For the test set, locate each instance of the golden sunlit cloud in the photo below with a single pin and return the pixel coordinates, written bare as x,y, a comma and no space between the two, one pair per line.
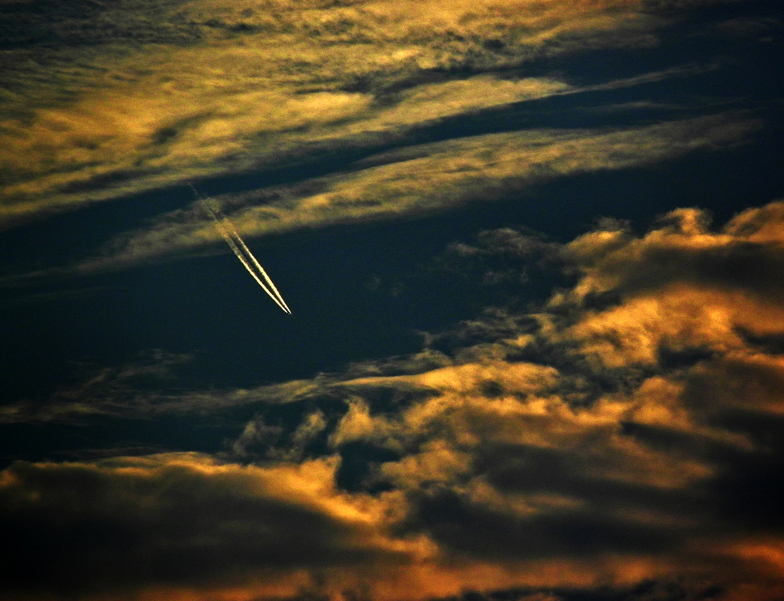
426,178
230,87
489,470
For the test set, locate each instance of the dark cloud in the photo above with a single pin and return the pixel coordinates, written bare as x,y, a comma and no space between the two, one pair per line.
761,28
125,524
745,255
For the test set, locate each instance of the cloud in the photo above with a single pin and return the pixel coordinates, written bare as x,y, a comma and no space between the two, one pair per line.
762,28
628,431
425,178
619,439
151,385
652,438
184,525
217,88
132,389
682,286
147,522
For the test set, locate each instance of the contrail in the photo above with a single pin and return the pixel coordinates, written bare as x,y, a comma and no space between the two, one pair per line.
236,243
275,294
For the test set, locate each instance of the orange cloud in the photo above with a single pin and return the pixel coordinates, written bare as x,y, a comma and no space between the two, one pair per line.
680,286
628,431
223,87
424,178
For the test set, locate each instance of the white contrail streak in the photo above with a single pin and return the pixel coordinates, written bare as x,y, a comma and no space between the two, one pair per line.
236,243
277,296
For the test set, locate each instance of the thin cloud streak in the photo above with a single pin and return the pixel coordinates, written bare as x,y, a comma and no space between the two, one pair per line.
417,180
431,177
242,83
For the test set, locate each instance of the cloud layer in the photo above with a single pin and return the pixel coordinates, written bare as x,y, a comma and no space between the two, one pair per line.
156,94
627,431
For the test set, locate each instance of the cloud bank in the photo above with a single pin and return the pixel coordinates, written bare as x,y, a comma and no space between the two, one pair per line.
628,431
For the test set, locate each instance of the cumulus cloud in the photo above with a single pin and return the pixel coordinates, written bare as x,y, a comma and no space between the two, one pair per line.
151,522
627,431
682,286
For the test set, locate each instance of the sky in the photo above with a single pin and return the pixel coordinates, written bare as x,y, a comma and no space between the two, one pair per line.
533,252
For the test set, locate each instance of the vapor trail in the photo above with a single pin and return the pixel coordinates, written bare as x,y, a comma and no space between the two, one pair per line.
277,296
238,246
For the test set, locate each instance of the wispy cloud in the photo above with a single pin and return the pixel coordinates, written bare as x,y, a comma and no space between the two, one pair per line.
226,87
427,178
